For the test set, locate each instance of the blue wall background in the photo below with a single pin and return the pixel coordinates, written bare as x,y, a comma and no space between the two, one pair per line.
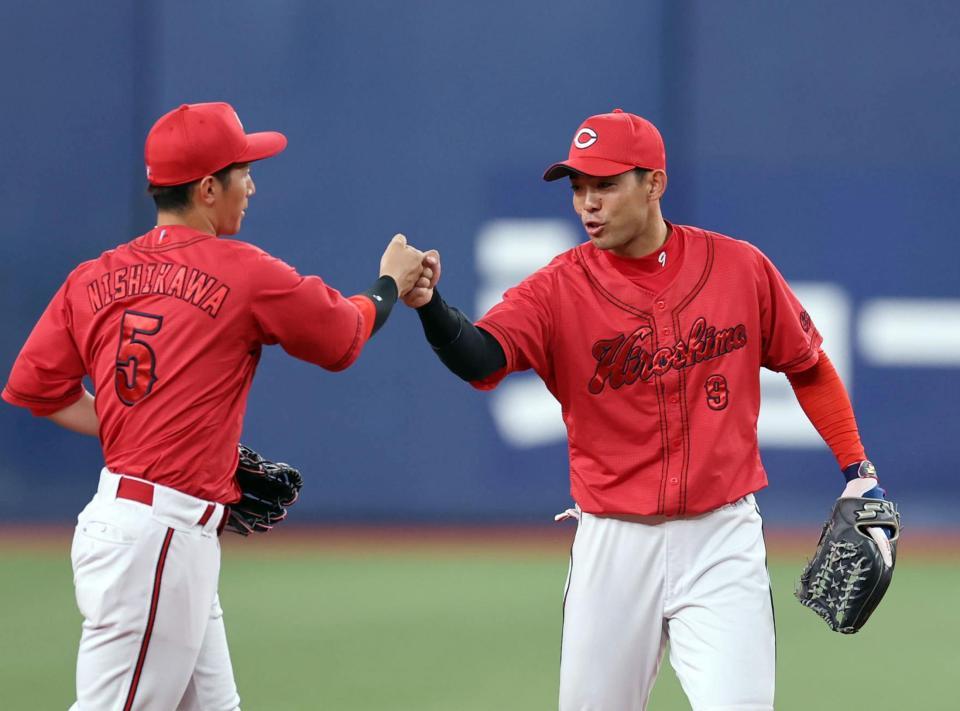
823,132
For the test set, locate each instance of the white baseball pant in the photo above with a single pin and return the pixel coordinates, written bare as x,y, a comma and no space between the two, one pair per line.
701,584
146,579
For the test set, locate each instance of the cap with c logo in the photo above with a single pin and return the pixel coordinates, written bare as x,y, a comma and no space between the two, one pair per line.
610,144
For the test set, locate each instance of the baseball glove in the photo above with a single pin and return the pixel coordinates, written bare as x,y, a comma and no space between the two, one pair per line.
848,576
268,489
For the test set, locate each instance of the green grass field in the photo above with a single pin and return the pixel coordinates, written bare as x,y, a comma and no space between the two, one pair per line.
410,626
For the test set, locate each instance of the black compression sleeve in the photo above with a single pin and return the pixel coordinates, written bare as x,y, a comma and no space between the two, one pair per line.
469,352
384,295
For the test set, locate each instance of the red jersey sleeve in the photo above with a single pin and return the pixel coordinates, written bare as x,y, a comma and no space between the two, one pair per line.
522,323
368,312
791,342
310,320
47,375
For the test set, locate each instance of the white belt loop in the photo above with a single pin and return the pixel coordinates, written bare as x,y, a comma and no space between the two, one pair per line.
213,523
108,484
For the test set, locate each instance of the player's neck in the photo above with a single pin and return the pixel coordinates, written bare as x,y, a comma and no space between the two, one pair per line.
193,219
646,242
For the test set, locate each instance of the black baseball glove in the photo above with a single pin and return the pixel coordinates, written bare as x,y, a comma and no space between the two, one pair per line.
851,569
268,488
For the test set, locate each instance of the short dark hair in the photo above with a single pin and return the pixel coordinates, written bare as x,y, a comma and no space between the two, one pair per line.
641,172
176,198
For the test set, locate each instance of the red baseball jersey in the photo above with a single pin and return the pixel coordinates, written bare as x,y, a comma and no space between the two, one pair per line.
656,364
169,327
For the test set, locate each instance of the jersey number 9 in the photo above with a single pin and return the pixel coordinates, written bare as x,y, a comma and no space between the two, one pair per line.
717,394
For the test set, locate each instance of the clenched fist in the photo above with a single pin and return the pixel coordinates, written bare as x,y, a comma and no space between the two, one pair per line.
403,263
422,291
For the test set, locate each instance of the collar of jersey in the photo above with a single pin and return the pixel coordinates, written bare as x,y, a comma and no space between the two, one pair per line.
167,236
649,264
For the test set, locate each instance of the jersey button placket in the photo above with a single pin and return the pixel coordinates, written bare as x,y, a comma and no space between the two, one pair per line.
674,461
671,403
676,445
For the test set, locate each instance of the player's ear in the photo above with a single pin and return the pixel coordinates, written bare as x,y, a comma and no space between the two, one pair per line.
657,184
206,191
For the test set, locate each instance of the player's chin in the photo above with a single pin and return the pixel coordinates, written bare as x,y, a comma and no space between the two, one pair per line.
233,228
599,239
600,242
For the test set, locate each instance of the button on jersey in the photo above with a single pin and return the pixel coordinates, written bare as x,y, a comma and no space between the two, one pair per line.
169,327
660,390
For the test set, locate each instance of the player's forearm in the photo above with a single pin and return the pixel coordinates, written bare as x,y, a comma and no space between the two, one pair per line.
824,399
469,352
376,303
383,294
80,417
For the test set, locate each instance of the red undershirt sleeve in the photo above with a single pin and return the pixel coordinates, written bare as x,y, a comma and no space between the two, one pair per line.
824,399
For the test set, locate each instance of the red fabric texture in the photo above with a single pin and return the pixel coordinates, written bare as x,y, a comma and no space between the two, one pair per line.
654,271
657,380
824,399
368,312
170,327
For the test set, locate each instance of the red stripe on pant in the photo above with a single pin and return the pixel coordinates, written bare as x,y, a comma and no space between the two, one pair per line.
154,600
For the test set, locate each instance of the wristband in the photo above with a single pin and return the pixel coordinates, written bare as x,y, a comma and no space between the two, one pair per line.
383,293
860,470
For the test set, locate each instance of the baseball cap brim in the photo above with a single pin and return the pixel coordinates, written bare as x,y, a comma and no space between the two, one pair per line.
586,165
262,145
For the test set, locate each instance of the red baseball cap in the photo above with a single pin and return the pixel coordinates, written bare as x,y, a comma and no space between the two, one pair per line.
610,144
196,140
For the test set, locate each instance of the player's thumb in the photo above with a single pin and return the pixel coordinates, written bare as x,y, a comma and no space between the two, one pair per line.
879,535
399,240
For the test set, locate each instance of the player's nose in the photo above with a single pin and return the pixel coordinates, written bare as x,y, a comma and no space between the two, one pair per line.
591,201
251,186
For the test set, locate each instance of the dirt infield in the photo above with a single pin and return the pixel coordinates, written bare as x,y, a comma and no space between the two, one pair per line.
472,540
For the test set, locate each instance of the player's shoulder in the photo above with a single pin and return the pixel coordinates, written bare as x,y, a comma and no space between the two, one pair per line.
245,258
565,261
78,277
236,249
565,265
242,247
232,258
725,245
545,282
86,266
91,268
572,262
556,265
134,250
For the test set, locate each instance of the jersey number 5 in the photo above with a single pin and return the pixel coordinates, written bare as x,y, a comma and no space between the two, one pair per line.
136,362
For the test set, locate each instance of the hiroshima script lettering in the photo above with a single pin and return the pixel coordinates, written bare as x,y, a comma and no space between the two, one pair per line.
624,359
188,284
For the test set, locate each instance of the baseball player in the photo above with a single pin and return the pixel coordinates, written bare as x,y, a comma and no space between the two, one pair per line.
169,327
651,336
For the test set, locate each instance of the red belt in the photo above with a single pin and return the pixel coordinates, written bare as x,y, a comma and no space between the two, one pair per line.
142,491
